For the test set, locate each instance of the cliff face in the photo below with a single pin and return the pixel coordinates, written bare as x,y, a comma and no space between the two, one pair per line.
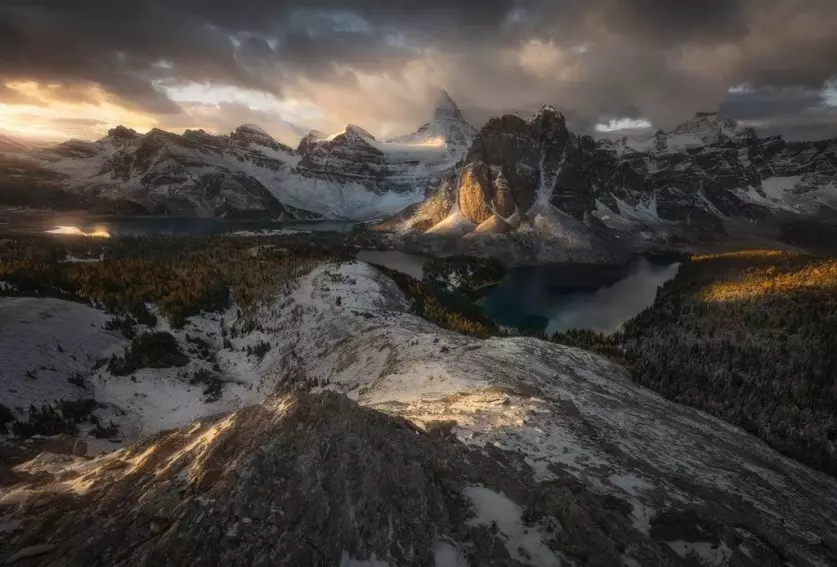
693,178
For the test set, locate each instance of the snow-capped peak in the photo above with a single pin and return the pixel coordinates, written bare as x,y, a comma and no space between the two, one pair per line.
448,125
446,108
253,133
350,131
254,129
707,127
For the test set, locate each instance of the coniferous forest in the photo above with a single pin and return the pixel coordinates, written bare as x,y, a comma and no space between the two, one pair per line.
182,276
750,337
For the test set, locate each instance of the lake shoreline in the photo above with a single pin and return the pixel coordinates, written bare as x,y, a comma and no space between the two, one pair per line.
558,297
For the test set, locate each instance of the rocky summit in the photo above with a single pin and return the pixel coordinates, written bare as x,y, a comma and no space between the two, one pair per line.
695,180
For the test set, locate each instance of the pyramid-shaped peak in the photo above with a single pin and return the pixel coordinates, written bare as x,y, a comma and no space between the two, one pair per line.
354,129
446,107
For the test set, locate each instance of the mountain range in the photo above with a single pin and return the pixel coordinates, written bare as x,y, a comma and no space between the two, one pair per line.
348,175
536,175
513,182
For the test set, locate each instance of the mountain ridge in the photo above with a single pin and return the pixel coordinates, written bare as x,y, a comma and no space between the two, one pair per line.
694,180
440,448
347,175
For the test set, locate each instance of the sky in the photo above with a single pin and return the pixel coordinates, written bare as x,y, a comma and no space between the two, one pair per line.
75,68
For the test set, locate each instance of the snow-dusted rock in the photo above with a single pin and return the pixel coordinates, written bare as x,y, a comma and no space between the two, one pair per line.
691,181
508,451
45,342
248,173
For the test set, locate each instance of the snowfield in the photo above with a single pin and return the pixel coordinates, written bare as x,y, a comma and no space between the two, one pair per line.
50,340
44,342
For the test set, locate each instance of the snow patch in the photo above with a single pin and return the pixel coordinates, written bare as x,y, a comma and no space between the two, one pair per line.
456,224
446,554
524,543
43,342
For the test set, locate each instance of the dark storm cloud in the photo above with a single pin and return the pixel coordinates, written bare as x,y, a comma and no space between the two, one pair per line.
263,15
598,59
750,104
798,113
677,21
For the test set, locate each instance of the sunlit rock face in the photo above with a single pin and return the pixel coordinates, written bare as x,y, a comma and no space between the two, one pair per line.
514,162
475,192
484,191
424,215
691,180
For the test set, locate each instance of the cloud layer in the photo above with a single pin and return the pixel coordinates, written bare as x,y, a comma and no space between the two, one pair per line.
378,62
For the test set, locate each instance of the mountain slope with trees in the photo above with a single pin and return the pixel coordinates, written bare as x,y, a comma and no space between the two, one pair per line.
750,337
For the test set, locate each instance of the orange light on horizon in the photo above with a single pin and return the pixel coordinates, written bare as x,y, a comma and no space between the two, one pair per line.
43,113
97,232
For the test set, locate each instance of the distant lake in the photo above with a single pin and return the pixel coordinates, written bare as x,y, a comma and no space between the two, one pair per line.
38,223
548,297
557,297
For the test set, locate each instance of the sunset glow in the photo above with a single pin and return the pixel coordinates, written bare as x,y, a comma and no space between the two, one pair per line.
291,67
97,232
53,112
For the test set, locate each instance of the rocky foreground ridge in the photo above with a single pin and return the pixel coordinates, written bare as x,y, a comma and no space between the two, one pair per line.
388,441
